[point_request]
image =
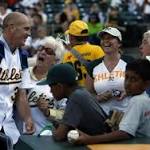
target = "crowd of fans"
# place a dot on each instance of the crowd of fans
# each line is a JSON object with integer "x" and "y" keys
{"x": 78, "y": 69}
{"x": 97, "y": 14}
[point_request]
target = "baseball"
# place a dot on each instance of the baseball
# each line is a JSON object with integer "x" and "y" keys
{"x": 72, "y": 135}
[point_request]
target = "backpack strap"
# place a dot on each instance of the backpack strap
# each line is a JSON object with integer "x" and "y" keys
{"x": 79, "y": 57}
{"x": 2, "y": 54}
{"x": 88, "y": 65}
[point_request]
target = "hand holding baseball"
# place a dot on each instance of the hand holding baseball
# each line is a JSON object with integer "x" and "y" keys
{"x": 72, "y": 136}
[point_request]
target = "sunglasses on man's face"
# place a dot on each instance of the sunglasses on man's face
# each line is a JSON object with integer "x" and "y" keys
{"x": 48, "y": 50}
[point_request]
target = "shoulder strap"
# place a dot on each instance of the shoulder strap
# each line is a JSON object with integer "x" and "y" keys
{"x": 88, "y": 65}
{"x": 79, "y": 57}
{"x": 23, "y": 58}
{"x": 2, "y": 54}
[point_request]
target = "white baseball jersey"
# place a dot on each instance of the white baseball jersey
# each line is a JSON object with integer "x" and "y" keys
{"x": 110, "y": 81}
{"x": 136, "y": 120}
{"x": 12, "y": 77}
{"x": 34, "y": 94}
{"x": 41, "y": 91}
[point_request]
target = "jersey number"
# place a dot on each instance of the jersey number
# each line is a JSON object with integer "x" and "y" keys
{"x": 13, "y": 97}
{"x": 77, "y": 66}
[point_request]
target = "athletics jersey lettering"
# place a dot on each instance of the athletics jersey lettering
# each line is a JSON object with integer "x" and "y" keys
{"x": 105, "y": 76}
{"x": 33, "y": 97}
{"x": 5, "y": 78}
{"x": 80, "y": 69}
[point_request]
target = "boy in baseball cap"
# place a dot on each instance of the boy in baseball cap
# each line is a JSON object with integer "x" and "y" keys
{"x": 136, "y": 120}
{"x": 61, "y": 73}
{"x": 80, "y": 105}
{"x": 77, "y": 34}
{"x": 78, "y": 28}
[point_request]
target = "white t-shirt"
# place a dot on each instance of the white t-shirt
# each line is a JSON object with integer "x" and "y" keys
{"x": 12, "y": 77}
{"x": 136, "y": 120}
{"x": 110, "y": 81}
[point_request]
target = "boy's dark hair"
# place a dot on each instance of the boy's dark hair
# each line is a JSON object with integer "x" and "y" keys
{"x": 81, "y": 38}
{"x": 140, "y": 67}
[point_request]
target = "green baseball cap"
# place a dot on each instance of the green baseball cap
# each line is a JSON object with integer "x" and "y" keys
{"x": 60, "y": 73}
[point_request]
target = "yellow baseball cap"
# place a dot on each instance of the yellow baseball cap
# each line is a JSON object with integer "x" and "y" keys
{"x": 78, "y": 28}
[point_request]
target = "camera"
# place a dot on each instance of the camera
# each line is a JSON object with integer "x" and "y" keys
{"x": 116, "y": 93}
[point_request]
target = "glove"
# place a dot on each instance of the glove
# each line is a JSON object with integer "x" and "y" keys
{"x": 114, "y": 119}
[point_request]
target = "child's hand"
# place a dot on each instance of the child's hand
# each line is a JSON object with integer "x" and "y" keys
{"x": 83, "y": 138}
{"x": 122, "y": 96}
{"x": 43, "y": 106}
{"x": 29, "y": 125}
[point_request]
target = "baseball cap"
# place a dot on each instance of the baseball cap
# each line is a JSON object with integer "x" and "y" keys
{"x": 78, "y": 28}
{"x": 60, "y": 73}
{"x": 112, "y": 31}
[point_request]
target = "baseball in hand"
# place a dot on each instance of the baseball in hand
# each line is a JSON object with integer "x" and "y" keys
{"x": 72, "y": 135}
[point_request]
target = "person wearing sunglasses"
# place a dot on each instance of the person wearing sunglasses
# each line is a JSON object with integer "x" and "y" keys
{"x": 40, "y": 98}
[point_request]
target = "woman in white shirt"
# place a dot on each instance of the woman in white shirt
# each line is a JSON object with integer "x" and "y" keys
{"x": 108, "y": 73}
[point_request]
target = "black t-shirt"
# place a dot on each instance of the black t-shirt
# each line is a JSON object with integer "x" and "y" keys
{"x": 84, "y": 113}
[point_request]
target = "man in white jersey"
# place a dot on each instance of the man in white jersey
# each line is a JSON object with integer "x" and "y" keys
{"x": 14, "y": 74}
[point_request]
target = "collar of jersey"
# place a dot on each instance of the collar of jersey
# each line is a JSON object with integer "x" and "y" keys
{"x": 33, "y": 75}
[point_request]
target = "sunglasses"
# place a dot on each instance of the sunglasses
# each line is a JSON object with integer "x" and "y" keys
{"x": 48, "y": 50}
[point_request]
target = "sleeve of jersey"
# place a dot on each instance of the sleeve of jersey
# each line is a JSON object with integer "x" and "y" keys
{"x": 98, "y": 52}
{"x": 131, "y": 119}
{"x": 26, "y": 82}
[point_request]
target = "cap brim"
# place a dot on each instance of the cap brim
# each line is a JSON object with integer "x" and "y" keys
{"x": 99, "y": 34}
{"x": 43, "y": 82}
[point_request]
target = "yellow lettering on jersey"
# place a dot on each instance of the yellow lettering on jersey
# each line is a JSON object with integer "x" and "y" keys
{"x": 105, "y": 76}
